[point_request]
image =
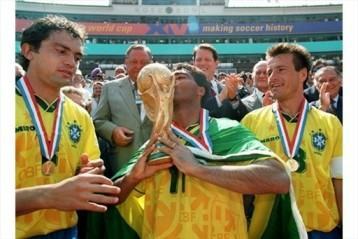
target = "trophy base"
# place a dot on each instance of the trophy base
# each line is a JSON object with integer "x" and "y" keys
{"x": 158, "y": 157}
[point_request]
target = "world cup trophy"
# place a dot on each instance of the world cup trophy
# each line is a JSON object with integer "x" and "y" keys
{"x": 156, "y": 86}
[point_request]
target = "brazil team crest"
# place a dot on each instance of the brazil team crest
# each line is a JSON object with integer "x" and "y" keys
{"x": 75, "y": 131}
{"x": 318, "y": 140}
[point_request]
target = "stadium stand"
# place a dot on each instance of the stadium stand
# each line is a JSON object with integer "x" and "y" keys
{"x": 172, "y": 29}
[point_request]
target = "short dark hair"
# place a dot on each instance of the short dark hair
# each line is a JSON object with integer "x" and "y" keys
{"x": 301, "y": 57}
{"x": 42, "y": 28}
{"x": 208, "y": 47}
{"x": 198, "y": 76}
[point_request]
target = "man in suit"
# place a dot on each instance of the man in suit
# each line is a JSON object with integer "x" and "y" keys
{"x": 259, "y": 76}
{"x": 311, "y": 91}
{"x": 120, "y": 117}
{"x": 224, "y": 100}
{"x": 329, "y": 82}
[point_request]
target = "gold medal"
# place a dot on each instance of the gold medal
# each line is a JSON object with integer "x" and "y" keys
{"x": 48, "y": 168}
{"x": 292, "y": 164}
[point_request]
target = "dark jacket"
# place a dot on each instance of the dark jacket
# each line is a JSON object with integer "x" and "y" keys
{"x": 234, "y": 110}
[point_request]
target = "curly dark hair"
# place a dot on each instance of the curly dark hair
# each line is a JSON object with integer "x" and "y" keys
{"x": 41, "y": 30}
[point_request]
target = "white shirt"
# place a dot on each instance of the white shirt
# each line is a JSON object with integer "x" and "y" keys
{"x": 138, "y": 102}
{"x": 215, "y": 87}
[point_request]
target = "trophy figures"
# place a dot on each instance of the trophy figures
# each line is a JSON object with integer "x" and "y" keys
{"x": 156, "y": 86}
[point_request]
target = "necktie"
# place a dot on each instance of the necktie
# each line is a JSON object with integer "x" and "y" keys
{"x": 137, "y": 99}
{"x": 214, "y": 88}
{"x": 334, "y": 104}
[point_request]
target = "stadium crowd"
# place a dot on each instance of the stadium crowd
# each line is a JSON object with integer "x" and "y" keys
{"x": 253, "y": 155}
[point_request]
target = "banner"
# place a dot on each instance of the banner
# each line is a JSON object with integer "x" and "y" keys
{"x": 193, "y": 29}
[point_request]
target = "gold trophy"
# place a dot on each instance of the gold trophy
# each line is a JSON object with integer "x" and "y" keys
{"x": 156, "y": 86}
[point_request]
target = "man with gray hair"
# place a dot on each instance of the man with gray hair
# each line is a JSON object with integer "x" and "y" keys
{"x": 329, "y": 82}
{"x": 259, "y": 76}
{"x": 119, "y": 117}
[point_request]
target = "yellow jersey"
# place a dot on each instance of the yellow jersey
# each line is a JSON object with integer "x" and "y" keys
{"x": 319, "y": 157}
{"x": 77, "y": 137}
{"x": 203, "y": 210}
{"x": 198, "y": 209}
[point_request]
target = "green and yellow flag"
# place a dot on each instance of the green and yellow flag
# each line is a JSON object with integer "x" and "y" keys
{"x": 275, "y": 216}
{"x": 123, "y": 221}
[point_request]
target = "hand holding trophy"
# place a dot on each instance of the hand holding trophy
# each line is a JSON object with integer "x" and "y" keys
{"x": 156, "y": 86}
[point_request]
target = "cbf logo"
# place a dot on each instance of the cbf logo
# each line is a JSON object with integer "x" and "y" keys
{"x": 74, "y": 131}
{"x": 318, "y": 140}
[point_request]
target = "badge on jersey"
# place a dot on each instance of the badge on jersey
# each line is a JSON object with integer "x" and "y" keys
{"x": 75, "y": 131}
{"x": 318, "y": 140}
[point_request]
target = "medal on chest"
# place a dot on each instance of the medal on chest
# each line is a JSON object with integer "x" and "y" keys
{"x": 48, "y": 146}
{"x": 291, "y": 146}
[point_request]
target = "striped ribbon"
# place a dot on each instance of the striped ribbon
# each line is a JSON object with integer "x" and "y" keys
{"x": 291, "y": 147}
{"x": 202, "y": 141}
{"x": 48, "y": 146}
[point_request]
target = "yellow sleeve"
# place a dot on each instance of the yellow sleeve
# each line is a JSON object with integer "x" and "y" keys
{"x": 263, "y": 205}
{"x": 337, "y": 160}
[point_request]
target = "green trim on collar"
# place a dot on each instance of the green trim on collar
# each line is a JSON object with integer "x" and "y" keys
{"x": 45, "y": 106}
{"x": 42, "y": 103}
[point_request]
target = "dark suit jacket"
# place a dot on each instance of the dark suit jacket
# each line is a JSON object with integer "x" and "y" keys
{"x": 117, "y": 107}
{"x": 339, "y": 111}
{"x": 235, "y": 111}
{"x": 311, "y": 94}
{"x": 336, "y": 111}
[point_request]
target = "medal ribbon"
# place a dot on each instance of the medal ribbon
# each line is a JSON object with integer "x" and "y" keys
{"x": 202, "y": 142}
{"x": 48, "y": 146}
{"x": 291, "y": 147}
